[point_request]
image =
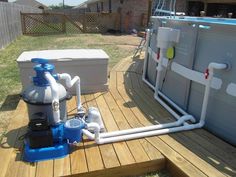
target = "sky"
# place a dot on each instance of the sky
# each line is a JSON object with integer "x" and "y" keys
{"x": 56, "y": 2}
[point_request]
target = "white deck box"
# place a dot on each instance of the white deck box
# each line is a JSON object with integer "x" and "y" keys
{"x": 91, "y": 65}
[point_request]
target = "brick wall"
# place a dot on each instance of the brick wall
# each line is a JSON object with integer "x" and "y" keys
{"x": 181, "y": 5}
{"x": 131, "y": 12}
{"x": 92, "y": 7}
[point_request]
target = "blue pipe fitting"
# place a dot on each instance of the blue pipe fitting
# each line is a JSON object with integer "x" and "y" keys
{"x": 73, "y": 130}
{"x": 40, "y": 69}
{"x": 58, "y": 133}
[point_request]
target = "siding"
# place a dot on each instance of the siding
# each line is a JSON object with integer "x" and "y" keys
{"x": 137, "y": 7}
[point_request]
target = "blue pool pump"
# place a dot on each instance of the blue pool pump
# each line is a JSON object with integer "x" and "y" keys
{"x": 62, "y": 136}
{"x": 46, "y": 138}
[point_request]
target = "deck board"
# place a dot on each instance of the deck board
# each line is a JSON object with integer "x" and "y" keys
{"x": 135, "y": 147}
{"x": 107, "y": 151}
{"x": 129, "y": 103}
{"x": 78, "y": 159}
{"x": 122, "y": 149}
{"x": 180, "y": 162}
{"x": 92, "y": 151}
{"x": 191, "y": 139}
{"x": 203, "y": 152}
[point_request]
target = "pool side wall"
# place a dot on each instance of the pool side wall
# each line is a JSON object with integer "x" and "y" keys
{"x": 214, "y": 41}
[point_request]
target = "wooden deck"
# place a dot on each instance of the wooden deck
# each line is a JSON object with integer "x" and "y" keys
{"x": 129, "y": 103}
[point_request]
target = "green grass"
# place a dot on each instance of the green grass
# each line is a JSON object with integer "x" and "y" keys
{"x": 9, "y": 74}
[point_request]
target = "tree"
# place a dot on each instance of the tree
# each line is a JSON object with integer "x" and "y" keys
{"x": 60, "y": 6}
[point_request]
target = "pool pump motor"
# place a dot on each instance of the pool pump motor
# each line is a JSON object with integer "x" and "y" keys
{"x": 50, "y": 134}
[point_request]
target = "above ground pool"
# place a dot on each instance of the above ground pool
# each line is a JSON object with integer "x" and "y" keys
{"x": 202, "y": 41}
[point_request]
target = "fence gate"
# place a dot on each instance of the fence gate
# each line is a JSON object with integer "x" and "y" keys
{"x": 48, "y": 23}
{"x": 55, "y": 23}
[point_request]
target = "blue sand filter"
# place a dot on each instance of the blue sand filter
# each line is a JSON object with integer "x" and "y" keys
{"x": 46, "y": 138}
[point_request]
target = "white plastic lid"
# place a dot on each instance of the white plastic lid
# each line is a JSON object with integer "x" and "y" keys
{"x": 75, "y": 54}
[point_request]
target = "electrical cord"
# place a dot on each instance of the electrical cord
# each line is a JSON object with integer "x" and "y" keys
{"x": 165, "y": 75}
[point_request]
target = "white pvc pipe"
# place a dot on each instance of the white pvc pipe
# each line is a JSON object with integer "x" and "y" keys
{"x": 211, "y": 68}
{"x": 90, "y": 135}
{"x": 55, "y": 97}
{"x": 167, "y": 107}
{"x": 147, "y": 134}
{"x": 165, "y": 97}
{"x": 70, "y": 83}
{"x": 95, "y": 127}
{"x": 148, "y": 32}
{"x": 214, "y": 65}
{"x": 172, "y": 103}
{"x": 181, "y": 121}
{"x": 160, "y": 68}
{"x": 158, "y": 78}
{"x": 154, "y": 130}
{"x": 102, "y": 140}
{"x": 128, "y": 134}
{"x": 149, "y": 84}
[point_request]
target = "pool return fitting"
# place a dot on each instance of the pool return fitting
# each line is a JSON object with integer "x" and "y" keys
{"x": 50, "y": 134}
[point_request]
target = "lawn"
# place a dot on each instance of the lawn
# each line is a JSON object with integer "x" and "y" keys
{"x": 117, "y": 47}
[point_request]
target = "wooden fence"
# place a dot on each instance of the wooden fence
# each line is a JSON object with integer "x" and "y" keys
{"x": 10, "y": 21}
{"x": 56, "y": 23}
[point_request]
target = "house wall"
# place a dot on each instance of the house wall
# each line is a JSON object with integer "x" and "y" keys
{"x": 211, "y": 8}
{"x": 131, "y": 12}
{"x": 10, "y": 21}
{"x": 181, "y": 6}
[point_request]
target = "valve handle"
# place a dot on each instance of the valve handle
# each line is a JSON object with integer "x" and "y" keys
{"x": 41, "y": 61}
{"x": 158, "y": 54}
{"x": 206, "y": 74}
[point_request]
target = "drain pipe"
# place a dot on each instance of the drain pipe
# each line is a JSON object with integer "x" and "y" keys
{"x": 69, "y": 84}
{"x": 55, "y": 97}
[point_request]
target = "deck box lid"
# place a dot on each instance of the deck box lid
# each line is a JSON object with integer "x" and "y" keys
{"x": 59, "y": 55}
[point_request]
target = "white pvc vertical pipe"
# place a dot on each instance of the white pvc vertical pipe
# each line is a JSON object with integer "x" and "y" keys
{"x": 148, "y": 32}
{"x": 211, "y": 68}
{"x": 55, "y": 97}
{"x": 70, "y": 83}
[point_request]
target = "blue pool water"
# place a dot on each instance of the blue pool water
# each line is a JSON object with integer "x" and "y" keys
{"x": 221, "y": 21}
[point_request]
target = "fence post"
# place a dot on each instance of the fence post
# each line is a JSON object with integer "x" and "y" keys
{"x": 84, "y": 23}
{"x": 23, "y": 23}
{"x": 63, "y": 23}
